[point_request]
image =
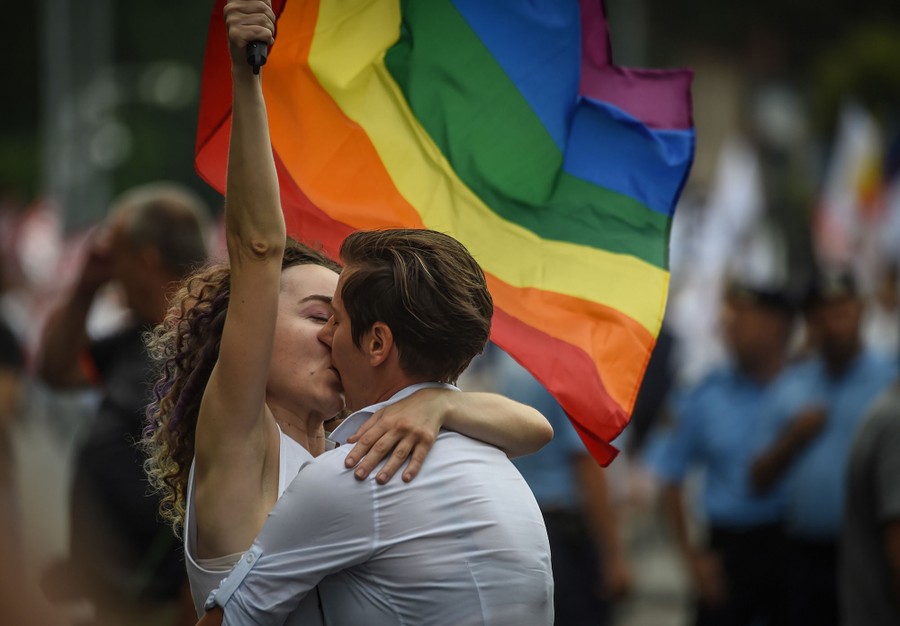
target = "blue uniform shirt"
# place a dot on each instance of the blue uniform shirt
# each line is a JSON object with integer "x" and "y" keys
{"x": 715, "y": 429}
{"x": 550, "y": 472}
{"x": 815, "y": 480}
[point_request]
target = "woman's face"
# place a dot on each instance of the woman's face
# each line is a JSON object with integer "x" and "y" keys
{"x": 301, "y": 379}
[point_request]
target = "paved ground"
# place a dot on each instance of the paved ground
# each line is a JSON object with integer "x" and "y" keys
{"x": 659, "y": 596}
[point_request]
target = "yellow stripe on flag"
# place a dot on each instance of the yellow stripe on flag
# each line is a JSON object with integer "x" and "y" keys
{"x": 348, "y": 63}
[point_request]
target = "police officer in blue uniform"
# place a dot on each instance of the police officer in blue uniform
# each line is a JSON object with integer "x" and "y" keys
{"x": 815, "y": 414}
{"x": 734, "y": 568}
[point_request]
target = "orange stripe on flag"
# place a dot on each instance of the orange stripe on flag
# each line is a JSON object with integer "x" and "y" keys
{"x": 316, "y": 141}
{"x": 614, "y": 338}
{"x": 558, "y": 366}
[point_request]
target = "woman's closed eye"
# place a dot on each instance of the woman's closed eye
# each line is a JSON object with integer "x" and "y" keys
{"x": 318, "y": 313}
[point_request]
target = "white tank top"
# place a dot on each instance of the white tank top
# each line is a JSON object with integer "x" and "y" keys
{"x": 203, "y": 580}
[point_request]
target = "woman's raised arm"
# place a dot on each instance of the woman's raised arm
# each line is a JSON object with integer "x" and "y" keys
{"x": 234, "y": 437}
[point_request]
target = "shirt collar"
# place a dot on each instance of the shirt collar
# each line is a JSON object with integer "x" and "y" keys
{"x": 352, "y": 423}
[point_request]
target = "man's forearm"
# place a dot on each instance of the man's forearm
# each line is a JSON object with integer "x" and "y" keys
{"x": 768, "y": 468}
{"x": 65, "y": 338}
{"x": 673, "y": 509}
{"x": 771, "y": 465}
{"x": 603, "y": 521}
{"x": 515, "y": 428}
{"x": 598, "y": 509}
{"x": 213, "y": 617}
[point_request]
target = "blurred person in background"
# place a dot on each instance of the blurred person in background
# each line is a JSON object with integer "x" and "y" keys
{"x": 19, "y": 600}
{"x": 590, "y": 570}
{"x": 869, "y": 555}
{"x": 734, "y": 572}
{"x": 122, "y": 558}
{"x": 814, "y": 416}
{"x": 12, "y": 381}
{"x": 881, "y": 321}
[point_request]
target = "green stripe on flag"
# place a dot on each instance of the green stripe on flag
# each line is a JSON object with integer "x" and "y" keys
{"x": 498, "y": 146}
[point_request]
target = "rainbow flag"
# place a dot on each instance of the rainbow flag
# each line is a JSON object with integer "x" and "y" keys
{"x": 505, "y": 124}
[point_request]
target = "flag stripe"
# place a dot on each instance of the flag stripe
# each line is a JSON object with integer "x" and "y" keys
{"x": 482, "y": 123}
{"x": 619, "y": 345}
{"x": 580, "y": 311}
{"x": 652, "y": 164}
{"x": 659, "y": 98}
{"x": 368, "y": 96}
{"x": 328, "y": 155}
{"x": 552, "y": 361}
{"x": 553, "y": 205}
{"x": 538, "y": 47}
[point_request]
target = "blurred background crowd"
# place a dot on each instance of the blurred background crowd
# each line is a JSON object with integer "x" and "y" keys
{"x": 753, "y": 455}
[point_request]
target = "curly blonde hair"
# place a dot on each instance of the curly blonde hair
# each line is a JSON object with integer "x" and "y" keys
{"x": 186, "y": 345}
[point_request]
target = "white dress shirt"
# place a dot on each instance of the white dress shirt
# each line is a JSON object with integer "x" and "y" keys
{"x": 463, "y": 543}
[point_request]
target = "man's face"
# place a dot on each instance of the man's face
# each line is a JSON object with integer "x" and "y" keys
{"x": 349, "y": 360}
{"x": 751, "y": 329}
{"x": 837, "y": 324}
{"x": 131, "y": 270}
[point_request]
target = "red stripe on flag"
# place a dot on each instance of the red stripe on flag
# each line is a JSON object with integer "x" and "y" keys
{"x": 304, "y": 220}
{"x": 570, "y": 375}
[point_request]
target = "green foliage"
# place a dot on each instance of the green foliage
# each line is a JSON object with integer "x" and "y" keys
{"x": 161, "y": 137}
{"x": 865, "y": 65}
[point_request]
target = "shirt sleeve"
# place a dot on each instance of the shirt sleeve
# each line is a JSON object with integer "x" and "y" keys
{"x": 784, "y": 399}
{"x": 681, "y": 445}
{"x": 322, "y": 524}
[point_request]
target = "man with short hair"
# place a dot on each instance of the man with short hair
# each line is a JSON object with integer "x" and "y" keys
{"x": 734, "y": 569}
{"x": 870, "y": 538}
{"x": 465, "y": 542}
{"x": 815, "y": 416}
{"x": 122, "y": 557}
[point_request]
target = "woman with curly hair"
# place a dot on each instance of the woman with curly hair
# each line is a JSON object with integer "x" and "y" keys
{"x": 246, "y": 385}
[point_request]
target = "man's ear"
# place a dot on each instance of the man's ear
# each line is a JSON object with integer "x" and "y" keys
{"x": 379, "y": 343}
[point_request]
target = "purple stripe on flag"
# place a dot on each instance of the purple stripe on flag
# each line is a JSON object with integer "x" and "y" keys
{"x": 659, "y": 98}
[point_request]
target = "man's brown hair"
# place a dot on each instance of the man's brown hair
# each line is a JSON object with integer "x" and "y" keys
{"x": 168, "y": 217}
{"x": 427, "y": 288}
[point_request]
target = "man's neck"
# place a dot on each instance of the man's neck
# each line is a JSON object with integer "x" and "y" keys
{"x": 385, "y": 390}
{"x": 837, "y": 362}
{"x": 352, "y": 423}
{"x": 764, "y": 368}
